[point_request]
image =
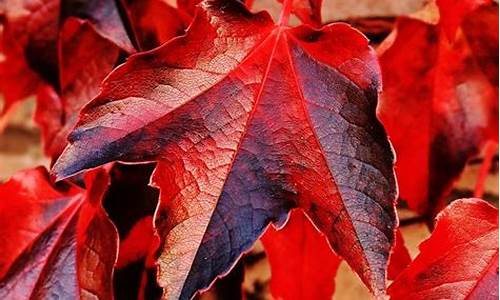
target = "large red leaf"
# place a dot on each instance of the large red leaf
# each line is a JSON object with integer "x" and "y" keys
{"x": 449, "y": 91}
{"x": 303, "y": 266}
{"x": 248, "y": 120}
{"x": 56, "y": 241}
{"x": 81, "y": 72}
{"x": 459, "y": 260}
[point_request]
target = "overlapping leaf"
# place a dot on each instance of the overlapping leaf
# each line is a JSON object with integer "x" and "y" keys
{"x": 131, "y": 203}
{"x": 302, "y": 264}
{"x": 304, "y": 267}
{"x": 453, "y": 12}
{"x": 155, "y": 22}
{"x": 400, "y": 257}
{"x": 440, "y": 102}
{"x": 56, "y": 241}
{"x": 459, "y": 260}
{"x": 30, "y": 40}
{"x": 248, "y": 120}
{"x": 81, "y": 72}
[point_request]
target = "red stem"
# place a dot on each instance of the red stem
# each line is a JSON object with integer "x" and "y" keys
{"x": 489, "y": 152}
{"x": 285, "y": 13}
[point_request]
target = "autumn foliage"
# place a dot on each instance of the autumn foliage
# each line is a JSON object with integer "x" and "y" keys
{"x": 180, "y": 135}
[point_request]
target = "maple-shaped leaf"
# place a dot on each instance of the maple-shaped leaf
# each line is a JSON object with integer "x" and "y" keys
{"x": 56, "y": 241}
{"x": 249, "y": 119}
{"x": 81, "y": 72}
{"x": 303, "y": 266}
{"x": 453, "y": 12}
{"x": 459, "y": 260}
{"x": 439, "y": 105}
{"x": 155, "y": 22}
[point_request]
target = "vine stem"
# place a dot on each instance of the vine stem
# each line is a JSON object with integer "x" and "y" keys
{"x": 489, "y": 152}
{"x": 285, "y": 13}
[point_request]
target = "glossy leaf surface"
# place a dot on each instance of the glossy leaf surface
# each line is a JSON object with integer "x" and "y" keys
{"x": 248, "y": 120}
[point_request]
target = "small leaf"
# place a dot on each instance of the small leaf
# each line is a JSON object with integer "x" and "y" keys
{"x": 155, "y": 22}
{"x": 303, "y": 266}
{"x": 449, "y": 93}
{"x": 399, "y": 259}
{"x": 130, "y": 203}
{"x": 61, "y": 244}
{"x": 459, "y": 260}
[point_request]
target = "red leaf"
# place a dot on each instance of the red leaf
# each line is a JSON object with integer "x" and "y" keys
{"x": 131, "y": 203}
{"x": 441, "y": 87}
{"x": 29, "y": 44}
{"x": 459, "y": 260}
{"x": 155, "y": 22}
{"x": 484, "y": 43}
{"x": 32, "y": 25}
{"x": 262, "y": 119}
{"x": 453, "y": 12}
{"x": 399, "y": 259}
{"x": 16, "y": 81}
{"x": 30, "y": 40}
{"x": 60, "y": 235}
{"x": 138, "y": 243}
{"x": 81, "y": 73}
{"x": 104, "y": 17}
{"x": 303, "y": 266}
